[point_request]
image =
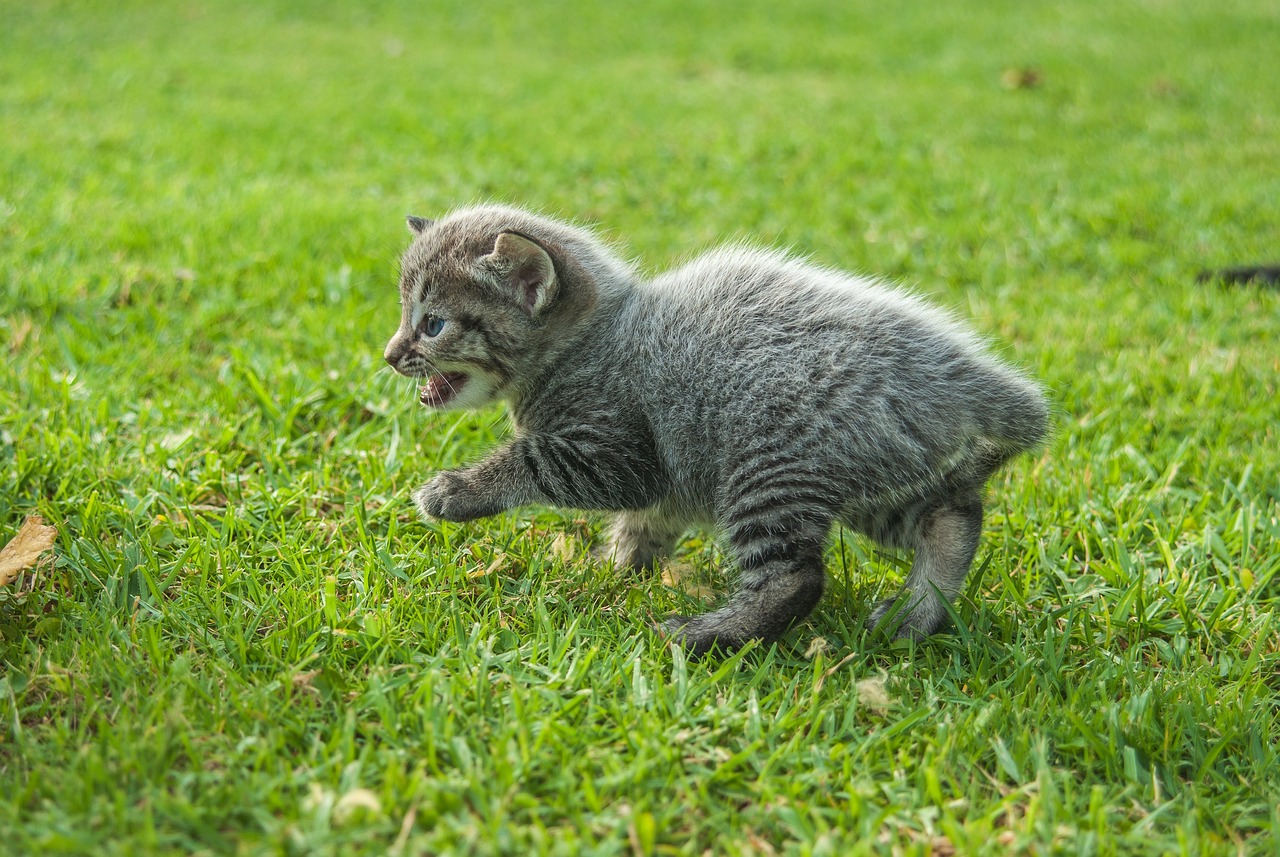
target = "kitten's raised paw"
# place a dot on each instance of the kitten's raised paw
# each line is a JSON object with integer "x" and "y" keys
{"x": 449, "y": 497}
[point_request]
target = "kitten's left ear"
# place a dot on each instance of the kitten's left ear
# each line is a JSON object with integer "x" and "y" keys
{"x": 525, "y": 269}
{"x": 418, "y": 225}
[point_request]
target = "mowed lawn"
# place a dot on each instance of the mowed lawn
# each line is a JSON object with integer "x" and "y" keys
{"x": 244, "y": 641}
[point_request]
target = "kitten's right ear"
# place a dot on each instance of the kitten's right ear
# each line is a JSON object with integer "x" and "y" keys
{"x": 524, "y": 270}
{"x": 418, "y": 225}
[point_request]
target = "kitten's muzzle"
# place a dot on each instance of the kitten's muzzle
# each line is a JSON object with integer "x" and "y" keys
{"x": 395, "y": 351}
{"x": 442, "y": 388}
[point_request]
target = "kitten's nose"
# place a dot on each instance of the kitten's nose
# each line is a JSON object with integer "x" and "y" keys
{"x": 394, "y": 350}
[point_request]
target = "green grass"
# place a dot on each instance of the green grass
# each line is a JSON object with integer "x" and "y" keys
{"x": 247, "y": 643}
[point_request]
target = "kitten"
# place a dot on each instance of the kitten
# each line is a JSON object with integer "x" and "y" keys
{"x": 746, "y": 391}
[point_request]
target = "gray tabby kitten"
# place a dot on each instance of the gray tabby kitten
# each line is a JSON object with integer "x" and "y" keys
{"x": 746, "y": 391}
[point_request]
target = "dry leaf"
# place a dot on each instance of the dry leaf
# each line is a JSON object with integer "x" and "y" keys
{"x": 1024, "y": 77}
{"x": 302, "y": 681}
{"x": 760, "y": 845}
{"x": 24, "y": 549}
{"x": 941, "y": 846}
{"x": 500, "y": 560}
{"x": 674, "y": 575}
{"x": 19, "y": 330}
{"x": 679, "y": 575}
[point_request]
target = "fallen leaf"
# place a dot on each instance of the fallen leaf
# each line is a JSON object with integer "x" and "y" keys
{"x": 1023, "y": 77}
{"x": 500, "y": 561}
{"x": 303, "y": 681}
{"x": 24, "y": 549}
{"x": 941, "y": 846}
{"x": 678, "y": 575}
{"x": 19, "y": 330}
{"x": 760, "y": 845}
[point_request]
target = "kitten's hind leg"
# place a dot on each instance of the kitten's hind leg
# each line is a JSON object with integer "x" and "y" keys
{"x": 639, "y": 539}
{"x": 946, "y": 540}
{"x": 779, "y": 552}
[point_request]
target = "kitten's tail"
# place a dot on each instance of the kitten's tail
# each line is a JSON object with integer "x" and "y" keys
{"x": 1014, "y": 419}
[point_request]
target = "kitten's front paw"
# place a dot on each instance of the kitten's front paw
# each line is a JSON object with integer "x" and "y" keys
{"x": 891, "y": 617}
{"x": 449, "y": 497}
{"x": 890, "y": 609}
{"x": 699, "y": 637}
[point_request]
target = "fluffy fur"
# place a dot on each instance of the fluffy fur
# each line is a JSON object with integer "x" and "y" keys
{"x": 746, "y": 391}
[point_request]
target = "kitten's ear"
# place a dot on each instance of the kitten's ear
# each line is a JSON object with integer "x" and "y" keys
{"x": 418, "y": 225}
{"x": 525, "y": 269}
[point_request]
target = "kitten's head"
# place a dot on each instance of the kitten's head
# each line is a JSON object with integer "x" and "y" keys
{"x": 487, "y": 295}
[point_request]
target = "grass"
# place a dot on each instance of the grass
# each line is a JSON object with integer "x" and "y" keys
{"x": 248, "y": 644}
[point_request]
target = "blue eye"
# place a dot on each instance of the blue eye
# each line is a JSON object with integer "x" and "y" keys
{"x": 435, "y": 324}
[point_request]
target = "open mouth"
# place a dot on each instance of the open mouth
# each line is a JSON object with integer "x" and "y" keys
{"x": 442, "y": 388}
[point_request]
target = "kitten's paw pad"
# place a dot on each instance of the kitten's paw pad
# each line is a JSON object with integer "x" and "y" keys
{"x": 447, "y": 497}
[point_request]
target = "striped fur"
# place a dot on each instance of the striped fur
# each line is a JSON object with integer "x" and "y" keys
{"x": 747, "y": 391}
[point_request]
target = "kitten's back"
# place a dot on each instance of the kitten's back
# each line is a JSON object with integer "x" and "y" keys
{"x": 743, "y": 343}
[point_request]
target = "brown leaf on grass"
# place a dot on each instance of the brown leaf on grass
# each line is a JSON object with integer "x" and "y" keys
{"x": 679, "y": 575}
{"x": 758, "y": 843}
{"x": 303, "y": 681}
{"x": 941, "y": 846}
{"x": 500, "y": 562}
{"x": 1023, "y": 77}
{"x": 24, "y": 549}
{"x": 20, "y": 329}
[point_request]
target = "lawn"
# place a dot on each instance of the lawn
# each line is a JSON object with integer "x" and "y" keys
{"x": 244, "y": 641}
